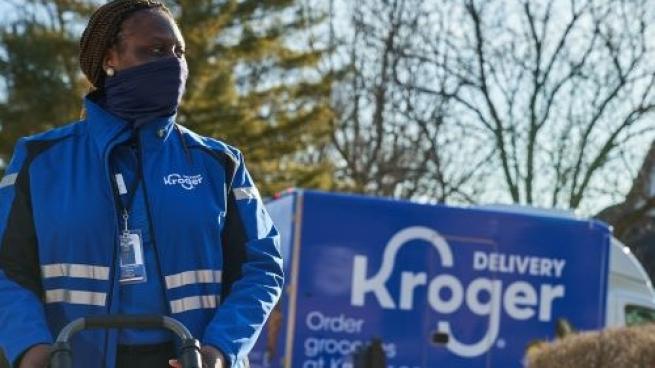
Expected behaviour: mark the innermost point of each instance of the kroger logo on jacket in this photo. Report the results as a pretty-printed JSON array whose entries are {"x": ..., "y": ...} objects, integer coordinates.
[{"x": 185, "y": 181}]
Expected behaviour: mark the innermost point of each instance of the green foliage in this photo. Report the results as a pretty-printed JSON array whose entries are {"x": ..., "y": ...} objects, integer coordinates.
[
  {"x": 255, "y": 82},
  {"x": 42, "y": 84},
  {"x": 252, "y": 89}
]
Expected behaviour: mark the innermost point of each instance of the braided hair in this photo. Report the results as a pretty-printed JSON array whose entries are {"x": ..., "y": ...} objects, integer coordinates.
[{"x": 102, "y": 33}]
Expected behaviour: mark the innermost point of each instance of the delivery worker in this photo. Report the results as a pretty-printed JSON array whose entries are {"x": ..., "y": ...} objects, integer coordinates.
[{"x": 127, "y": 212}]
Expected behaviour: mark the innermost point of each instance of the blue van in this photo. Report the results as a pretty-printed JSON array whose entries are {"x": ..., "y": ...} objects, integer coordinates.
[{"x": 440, "y": 286}]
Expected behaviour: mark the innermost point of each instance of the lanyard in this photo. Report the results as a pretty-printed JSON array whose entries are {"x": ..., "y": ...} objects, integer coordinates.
[{"x": 131, "y": 194}]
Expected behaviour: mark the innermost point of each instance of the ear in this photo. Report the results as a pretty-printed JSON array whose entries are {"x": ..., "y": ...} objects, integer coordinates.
[{"x": 111, "y": 59}]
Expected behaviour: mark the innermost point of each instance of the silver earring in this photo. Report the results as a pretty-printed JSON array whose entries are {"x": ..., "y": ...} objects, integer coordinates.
[{"x": 110, "y": 72}]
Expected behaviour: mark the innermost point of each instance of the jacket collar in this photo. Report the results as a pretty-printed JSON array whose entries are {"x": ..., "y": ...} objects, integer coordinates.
[{"x": 106, "y": 128}]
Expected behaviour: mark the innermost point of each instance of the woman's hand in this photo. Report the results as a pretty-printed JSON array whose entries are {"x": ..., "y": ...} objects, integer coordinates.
[
  {"x": 36, "y": 357},
  {"x": 211, "y": 358}
]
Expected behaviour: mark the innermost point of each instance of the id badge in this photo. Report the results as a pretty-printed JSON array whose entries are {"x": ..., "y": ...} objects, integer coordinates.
[{"x": 133, "y": 269}]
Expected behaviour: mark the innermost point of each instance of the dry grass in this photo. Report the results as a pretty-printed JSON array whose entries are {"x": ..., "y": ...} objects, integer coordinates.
[{"x": 632, "y": 347}]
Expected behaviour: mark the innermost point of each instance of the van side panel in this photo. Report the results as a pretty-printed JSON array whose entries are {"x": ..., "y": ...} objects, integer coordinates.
[{"x": 492, "y": 281}]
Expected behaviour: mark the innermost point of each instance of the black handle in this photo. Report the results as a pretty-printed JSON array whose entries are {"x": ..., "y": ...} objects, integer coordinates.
[
  {"x": 440, "y": 338},
  {"x": 190, "y": 354},
  {"x": 124, "y": 321},
  {"x": 61, "y": 355}
]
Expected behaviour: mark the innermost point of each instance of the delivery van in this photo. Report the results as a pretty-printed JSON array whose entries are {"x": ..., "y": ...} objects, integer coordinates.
[{"x": 440, "y": 286}]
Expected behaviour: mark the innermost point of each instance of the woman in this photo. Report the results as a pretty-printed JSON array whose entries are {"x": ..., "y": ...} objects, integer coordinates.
[{"x": 127, "y": 212}]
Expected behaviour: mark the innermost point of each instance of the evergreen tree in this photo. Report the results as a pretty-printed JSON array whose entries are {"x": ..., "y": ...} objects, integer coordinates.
[
  {"x": 40, "y": 84},
  {"x": 256, "y": 84}
]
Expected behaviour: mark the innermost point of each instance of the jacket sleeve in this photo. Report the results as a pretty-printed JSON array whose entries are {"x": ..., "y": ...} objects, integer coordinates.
[
  {"x": 252, "y": 270},
  {"x": 22, "y": 318}
]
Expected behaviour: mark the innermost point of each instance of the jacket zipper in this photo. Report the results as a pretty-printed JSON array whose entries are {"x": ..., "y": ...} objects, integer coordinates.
[
  {"x": 112, "y": 268},
  {"x": 150, "y": 224}
]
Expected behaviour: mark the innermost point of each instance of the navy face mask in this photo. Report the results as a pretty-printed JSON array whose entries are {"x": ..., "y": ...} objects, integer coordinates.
[{"x": 145, "y": 92}]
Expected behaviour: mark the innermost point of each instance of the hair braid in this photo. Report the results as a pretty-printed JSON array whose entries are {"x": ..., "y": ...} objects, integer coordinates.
[{"x": 102, "y": 31}]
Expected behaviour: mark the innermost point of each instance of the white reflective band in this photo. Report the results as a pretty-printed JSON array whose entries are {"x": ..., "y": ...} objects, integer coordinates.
[
  {"x": 192, "y": 277},
  {"x": 195, "y": 302},
  {"x": 122, "y": 189},
  {"x": 75, "y": 297},
  {"x": 246, "y": 193},
  {"x": 8, "y": 180},
  {"x": 79, "y": 271}
]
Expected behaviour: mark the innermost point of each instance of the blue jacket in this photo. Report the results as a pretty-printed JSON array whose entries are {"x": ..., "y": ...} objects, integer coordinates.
[{"x": 217, "y": 250}]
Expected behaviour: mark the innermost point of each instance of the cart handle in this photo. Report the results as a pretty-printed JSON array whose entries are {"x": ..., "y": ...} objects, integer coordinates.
[
  {"x": 61, "y": 355},
  {"x": 124, "y": 321}
]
